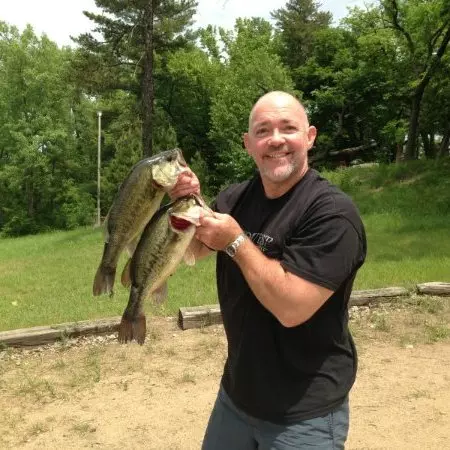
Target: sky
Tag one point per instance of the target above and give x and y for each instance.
(60, 19)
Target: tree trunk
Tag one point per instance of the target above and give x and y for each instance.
(399, 153)
(429, 146)
(147, 82)
(30, 198)
(411, 145)
(419, 91)
(443, 148)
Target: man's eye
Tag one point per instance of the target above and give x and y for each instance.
(261, 131)
(290, 129)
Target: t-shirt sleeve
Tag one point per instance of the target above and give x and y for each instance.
(324, 251)
(227, 199)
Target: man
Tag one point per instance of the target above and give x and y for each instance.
(290, 245)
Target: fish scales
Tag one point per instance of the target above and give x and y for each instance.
(160, 250)
(138, 198)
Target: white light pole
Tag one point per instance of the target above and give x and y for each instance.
(99, 114)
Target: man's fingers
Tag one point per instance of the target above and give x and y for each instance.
(187, 183)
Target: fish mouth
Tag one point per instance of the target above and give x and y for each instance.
(182, 220)
(179, 223)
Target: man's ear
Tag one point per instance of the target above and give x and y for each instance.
(245, 138)
(312, 133)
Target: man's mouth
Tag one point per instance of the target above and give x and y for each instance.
(277, 155)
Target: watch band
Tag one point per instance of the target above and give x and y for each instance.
(231, 249)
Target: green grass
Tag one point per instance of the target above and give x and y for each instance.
(47, 279)
(406, 212)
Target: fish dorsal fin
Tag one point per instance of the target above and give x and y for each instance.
(126, 274)
(160, 294)
(189, 257)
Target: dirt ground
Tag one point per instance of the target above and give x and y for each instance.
(95, 393)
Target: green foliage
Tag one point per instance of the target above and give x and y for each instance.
(40, 159)
(77, 207)
(298, 22)
(130, 55)
(358, 81)
(406, 214)
(409, 189)
(199, 167)
(251, 69)
(190, 82)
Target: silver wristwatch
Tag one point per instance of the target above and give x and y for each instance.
(231, 249)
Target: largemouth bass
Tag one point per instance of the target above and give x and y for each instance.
(163, 244)
(138, 198)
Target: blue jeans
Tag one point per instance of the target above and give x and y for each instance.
(231, 429)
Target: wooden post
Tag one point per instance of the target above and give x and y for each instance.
(434, 288)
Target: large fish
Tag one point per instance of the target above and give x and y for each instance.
(138, 198)
(163, 244)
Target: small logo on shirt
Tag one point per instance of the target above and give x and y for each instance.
(260, 239)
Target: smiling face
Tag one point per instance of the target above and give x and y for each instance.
(278, 140)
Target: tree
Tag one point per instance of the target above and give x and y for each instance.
(423, 30)
(132, 33)
(186, 93)
(297, 24)
(251, 68)
(435, 117)
(41, 166)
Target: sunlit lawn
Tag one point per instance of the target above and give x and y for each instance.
(47, 279)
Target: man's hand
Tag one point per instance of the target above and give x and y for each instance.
(217, 231)
(187, 183)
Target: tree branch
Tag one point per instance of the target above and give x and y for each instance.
(396, 22)
(438, 33)
(436, 60)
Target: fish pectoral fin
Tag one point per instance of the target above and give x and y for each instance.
(131, 246)
(160, 295)
(189, 257)
(105, 229)
(126, 274)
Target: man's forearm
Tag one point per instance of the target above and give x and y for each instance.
(288, 297)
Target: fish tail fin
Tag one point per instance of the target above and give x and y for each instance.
(133, 324)
(126, 274)
(104, 280)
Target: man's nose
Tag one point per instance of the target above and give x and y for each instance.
(277, 138)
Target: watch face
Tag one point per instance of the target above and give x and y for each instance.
(230, 251)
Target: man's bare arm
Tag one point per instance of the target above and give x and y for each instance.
(290, 298)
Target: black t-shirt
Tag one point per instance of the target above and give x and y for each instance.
(285, 374)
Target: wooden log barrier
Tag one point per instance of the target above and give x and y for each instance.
(371, 296)
(188, 317)
(27, 337)
(434, 288)
(200, 316)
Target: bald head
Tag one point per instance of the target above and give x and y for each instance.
(277, 99)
